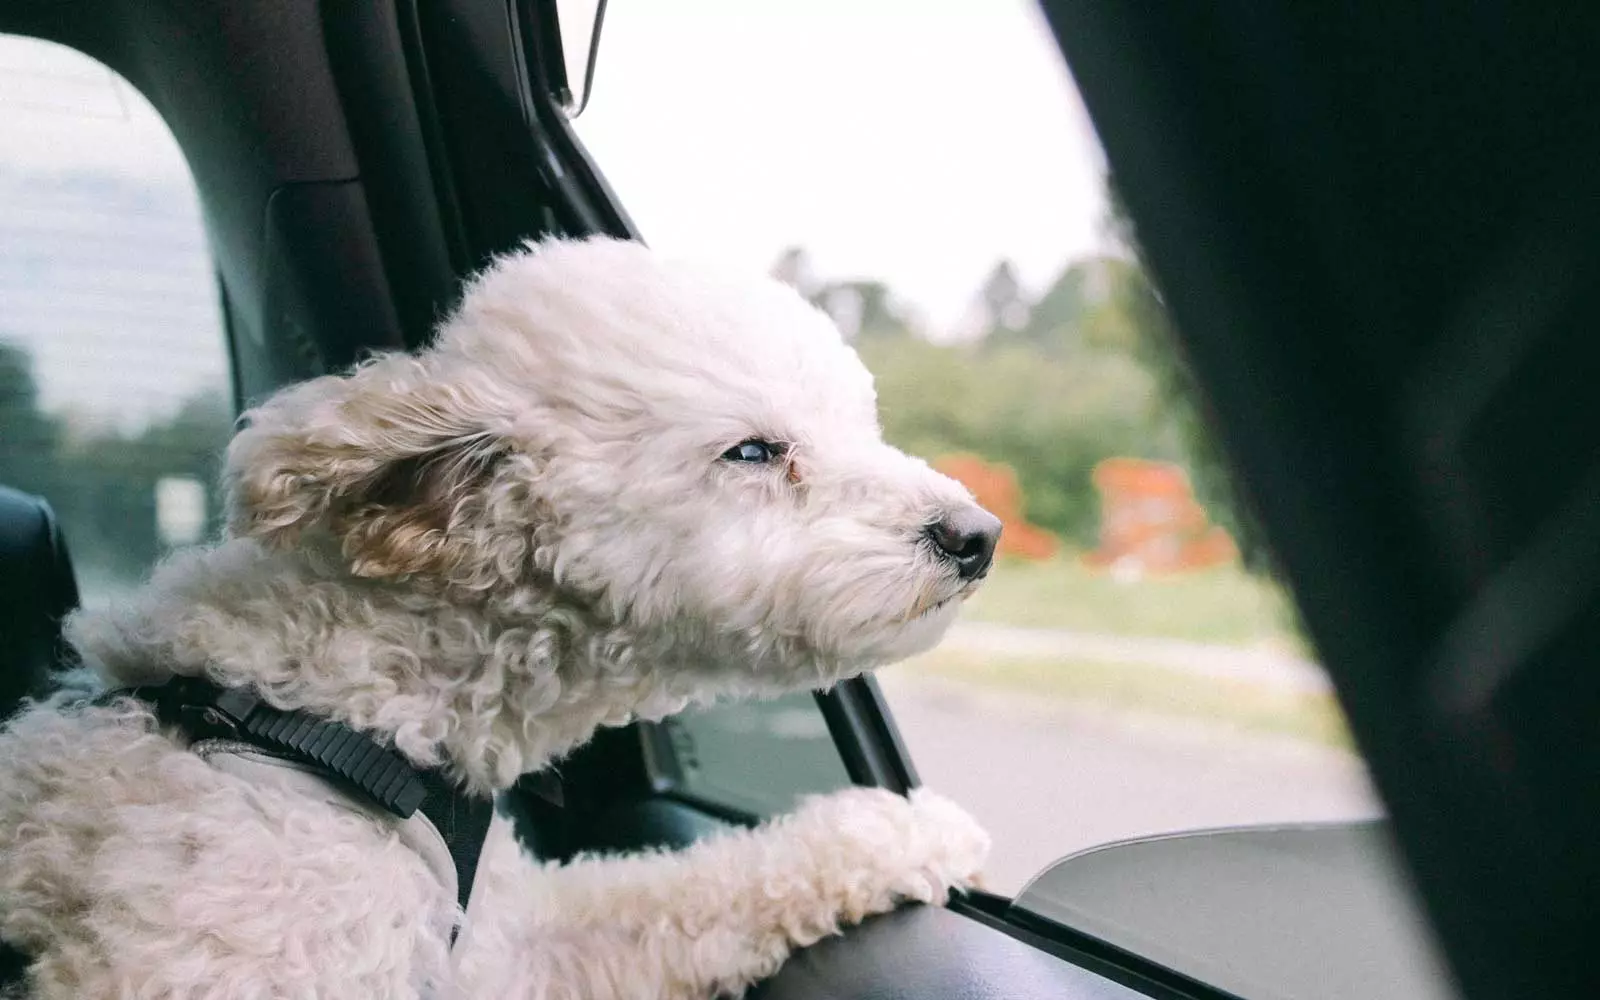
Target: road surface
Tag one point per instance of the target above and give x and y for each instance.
(1255, 666)
(1050, 778)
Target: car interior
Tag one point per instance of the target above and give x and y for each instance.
(1372, 226)
(37, 590)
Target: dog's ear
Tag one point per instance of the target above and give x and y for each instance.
(386, 458)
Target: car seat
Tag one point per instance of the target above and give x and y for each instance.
(37, 590)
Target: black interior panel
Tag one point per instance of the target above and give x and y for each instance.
(326, 290)
(922, 953)
(1375, 226)
(37, 590)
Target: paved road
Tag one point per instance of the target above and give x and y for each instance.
(1201, 659)
(1049, 778)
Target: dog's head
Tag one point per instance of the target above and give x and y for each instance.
(669, 447)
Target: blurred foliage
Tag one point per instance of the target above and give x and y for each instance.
(28, 438)
(102, 483)
(1087, 370)
(1050, 420)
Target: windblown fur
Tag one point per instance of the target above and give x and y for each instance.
(480, 554)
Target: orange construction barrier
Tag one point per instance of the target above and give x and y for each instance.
(1150, 521)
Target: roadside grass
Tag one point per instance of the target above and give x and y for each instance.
(1225, 605)
(1310, 716)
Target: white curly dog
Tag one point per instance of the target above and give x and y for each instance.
(617, 485)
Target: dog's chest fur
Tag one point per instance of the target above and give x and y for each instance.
(116, 840)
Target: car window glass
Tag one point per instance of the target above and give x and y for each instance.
(794, 755)
(115, 398)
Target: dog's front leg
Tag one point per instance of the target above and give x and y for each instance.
(717, 916)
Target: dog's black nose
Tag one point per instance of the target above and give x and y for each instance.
(967, 537)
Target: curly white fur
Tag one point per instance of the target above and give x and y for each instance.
(481, 554)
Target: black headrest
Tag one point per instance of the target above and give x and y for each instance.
(37, 590)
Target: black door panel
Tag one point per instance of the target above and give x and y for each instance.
(920, 953)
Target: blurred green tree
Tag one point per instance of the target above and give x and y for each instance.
(114, 477)
(865, 311)
(1002, 302)
(1050, 420)
(28, 436)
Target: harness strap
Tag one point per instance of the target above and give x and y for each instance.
(463, 821)
(206, 711)
(353, 759)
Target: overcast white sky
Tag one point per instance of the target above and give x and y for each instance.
(917, 141)
(61, 110)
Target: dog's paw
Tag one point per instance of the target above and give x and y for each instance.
(899, 848)
(957, 846)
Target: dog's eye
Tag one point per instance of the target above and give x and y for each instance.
(754, 451)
